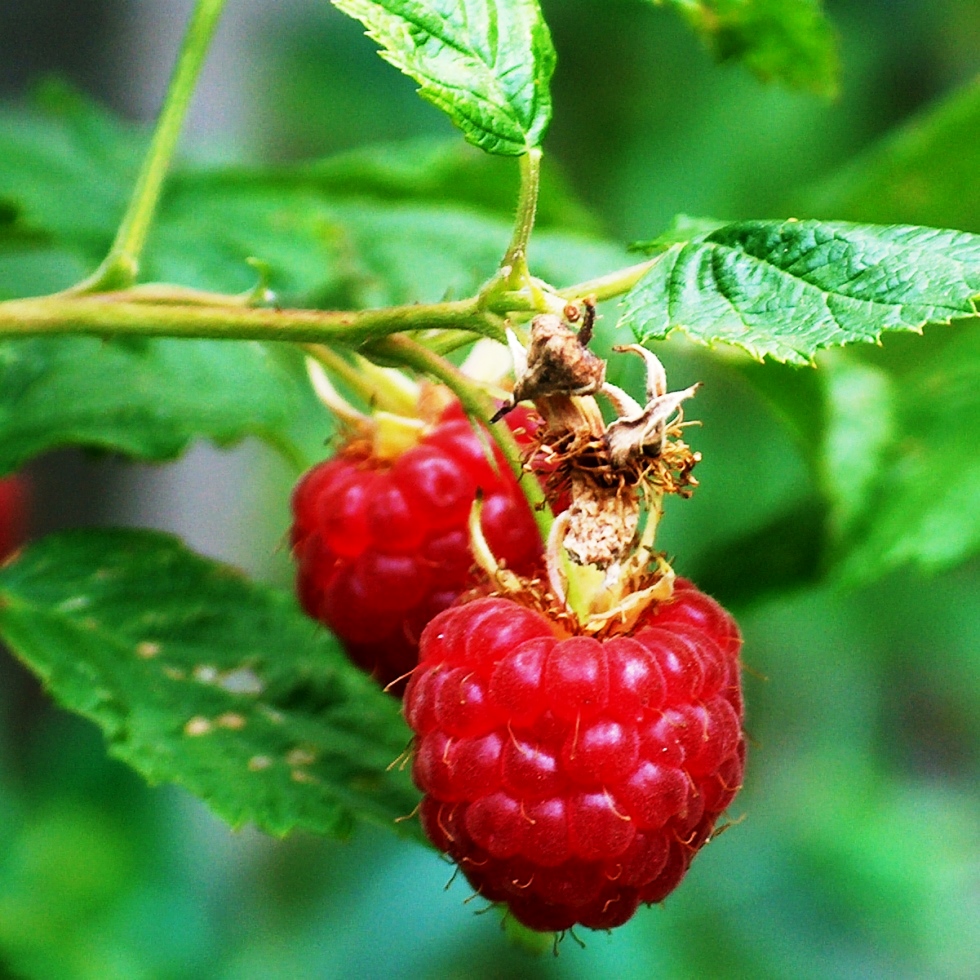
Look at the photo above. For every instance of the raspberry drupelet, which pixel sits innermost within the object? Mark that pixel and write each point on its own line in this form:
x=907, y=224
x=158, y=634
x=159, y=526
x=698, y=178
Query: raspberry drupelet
x=571, y=778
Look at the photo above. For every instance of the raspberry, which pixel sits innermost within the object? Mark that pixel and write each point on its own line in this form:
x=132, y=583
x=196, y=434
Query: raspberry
x=382, y=544
x=14, y=505
x=574, y=779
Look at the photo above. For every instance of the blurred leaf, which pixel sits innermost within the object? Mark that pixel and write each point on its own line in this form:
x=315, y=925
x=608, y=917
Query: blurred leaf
x=66, y=168
x=794, y=394
x=860, y=429
x=344, y=231
x=925, y=173
x=891, y=425
x=150, y=398
x=788, y=289
x=380, y=225
x=348, y=252
x=377, y=227
x=444, y=171
x=58, y=877
x=487, y=65
x=789, y=41
x=200, y=677
x=787, y=553
x=921, y=505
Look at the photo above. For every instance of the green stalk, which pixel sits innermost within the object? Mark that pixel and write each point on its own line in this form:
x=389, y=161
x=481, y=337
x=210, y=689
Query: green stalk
x=104, y=315
x=121, y=266
x=513, y=287
x=610, y=285
x=478, y=405
x=527, y=207
x=380, y=388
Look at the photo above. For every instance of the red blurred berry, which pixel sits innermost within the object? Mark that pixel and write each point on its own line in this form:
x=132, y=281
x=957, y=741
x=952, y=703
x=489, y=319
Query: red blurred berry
x=574, y=779
x=13, y=513
x=382, y=545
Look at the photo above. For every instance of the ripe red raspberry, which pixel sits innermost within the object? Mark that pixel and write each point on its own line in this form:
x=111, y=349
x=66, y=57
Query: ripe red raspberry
x=382, y=544
x=573, y=779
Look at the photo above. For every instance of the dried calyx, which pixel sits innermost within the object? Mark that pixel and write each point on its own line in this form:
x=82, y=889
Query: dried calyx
x=601, y=568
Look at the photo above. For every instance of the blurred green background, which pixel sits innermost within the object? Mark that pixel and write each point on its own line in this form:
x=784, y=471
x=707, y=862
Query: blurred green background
x=856, y=849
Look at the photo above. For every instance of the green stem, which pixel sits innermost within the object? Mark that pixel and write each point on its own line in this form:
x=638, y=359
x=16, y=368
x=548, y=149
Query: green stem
x=445, y=341
x=161, y=292
x=121, y=266
x=527, y=207
x=513, y=287
x=478, y=405
x=610, y=285
x=106, y=315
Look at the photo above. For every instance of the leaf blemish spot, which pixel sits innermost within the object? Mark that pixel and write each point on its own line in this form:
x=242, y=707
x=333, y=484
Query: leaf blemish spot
x=259, y=762
x=147, y=649
x=73, y=604
x=301, y=776
x=276, y=717
x=197, y=726
x=300, y=757
x=232, y=720
x=241, y=681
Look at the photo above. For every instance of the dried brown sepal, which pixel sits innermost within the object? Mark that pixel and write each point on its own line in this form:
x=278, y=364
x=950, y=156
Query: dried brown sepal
x=644, y=435
x=557, y=362
x=602, y=574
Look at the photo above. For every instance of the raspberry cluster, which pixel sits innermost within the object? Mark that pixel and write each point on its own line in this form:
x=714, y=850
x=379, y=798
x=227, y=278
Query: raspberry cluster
x=382, y=544
x=574, y=779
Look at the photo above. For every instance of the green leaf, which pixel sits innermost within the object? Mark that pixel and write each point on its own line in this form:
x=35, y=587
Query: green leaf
x=924, y=173
x=150, y=398
x=199, y=677
x=914, y=497
x=788, y=289
x=486, y=63
x=789, y=41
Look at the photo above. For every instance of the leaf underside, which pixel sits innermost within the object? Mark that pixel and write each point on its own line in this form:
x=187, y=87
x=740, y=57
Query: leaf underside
x=199, y=677
x=486, y=63
x=789, y=289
